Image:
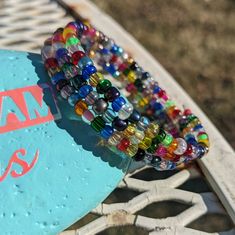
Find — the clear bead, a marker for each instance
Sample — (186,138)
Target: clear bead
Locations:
(47,52)
(125,111)
(143,123)
(181,147)
(91,97)
(66,91)
(58,45)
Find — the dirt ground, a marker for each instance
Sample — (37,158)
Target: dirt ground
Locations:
(195,42)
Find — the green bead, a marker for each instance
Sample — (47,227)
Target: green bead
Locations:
(191,118)
(167,140)
(169,103)
(161,135)
(126,71)
(152,148)
(203,137)
(103,86)
(98,123)
(72,41)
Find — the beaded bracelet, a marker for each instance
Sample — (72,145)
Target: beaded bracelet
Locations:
(76,78)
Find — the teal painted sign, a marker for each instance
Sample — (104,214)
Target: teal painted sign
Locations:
(52,169)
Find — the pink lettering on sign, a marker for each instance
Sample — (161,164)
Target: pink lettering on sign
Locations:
(15,159)
(21,108)
(24,107)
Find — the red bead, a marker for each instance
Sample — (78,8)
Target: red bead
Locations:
(189,150)
(176,158)
(175,113)
(187,112)
(161,93)
(113,59)
(76,56)
(51,63)
(124,144)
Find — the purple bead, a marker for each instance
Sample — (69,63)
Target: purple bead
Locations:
(119,124)
(111,94)
(118,103)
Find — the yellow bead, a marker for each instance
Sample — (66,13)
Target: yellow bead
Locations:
(144,101)
(205,142)
(115,138)
(95,79)
(80,107)
(91,54)
(145,143)
(131,150)
(130,60)
(131,77)
(137,137)
(152,130)
(130,130)
(68,31)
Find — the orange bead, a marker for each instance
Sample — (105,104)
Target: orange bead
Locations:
(172,146)
(80,107)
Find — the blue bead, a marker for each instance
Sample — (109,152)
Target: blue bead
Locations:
(119,51)
(104,51)
(61,52)
(84,61)
(135,116)
(192,141)
(88,71)
(114,49)
(158,106)
(107,132)
(74,98)
(58,76)
(199,126)
(156,90)
(200,151)
(110,68)
(85,90)
(118,103)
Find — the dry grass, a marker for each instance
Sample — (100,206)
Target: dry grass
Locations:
(195,42)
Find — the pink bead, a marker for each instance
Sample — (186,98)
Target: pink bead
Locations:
(130,87)
(165,97)
(161,151)
(57,37)
(88,115)
(122,67)
(90,32)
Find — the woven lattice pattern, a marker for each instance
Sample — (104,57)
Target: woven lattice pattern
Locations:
(143,195)
(24,25)
(156,195)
